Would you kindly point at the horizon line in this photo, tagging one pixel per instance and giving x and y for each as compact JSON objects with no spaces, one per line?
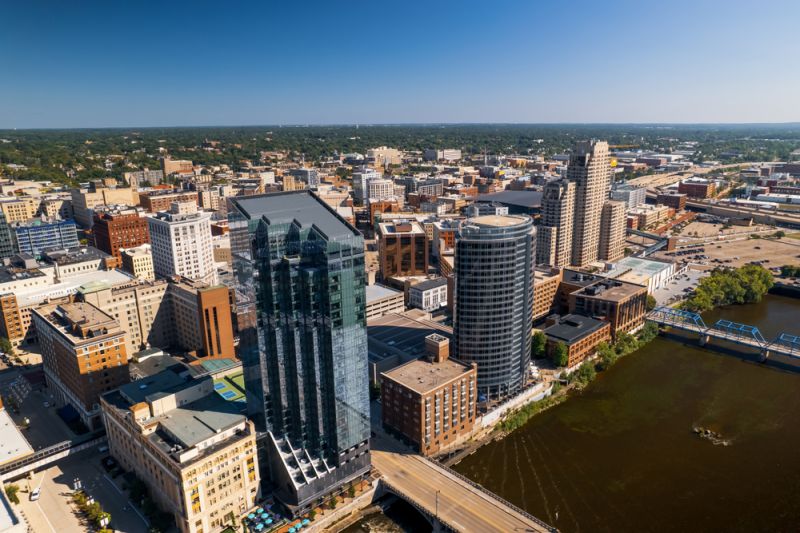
{"x":395,"y":124}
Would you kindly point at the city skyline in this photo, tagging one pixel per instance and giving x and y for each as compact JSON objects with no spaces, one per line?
{"x":95,"y":65}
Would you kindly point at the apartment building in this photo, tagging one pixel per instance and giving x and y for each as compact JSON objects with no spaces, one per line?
{"x":83,"y":354}
{"x":120,"y":227}
{"x":430,"y":402}
{"x":195,"y":451}
{"x":182,"y":246}
{"x":590,"y":169}
{"x":554,"y":234}
{"x":612,"y":231}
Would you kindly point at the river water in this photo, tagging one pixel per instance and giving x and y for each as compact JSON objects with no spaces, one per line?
{"x":621,"y":455}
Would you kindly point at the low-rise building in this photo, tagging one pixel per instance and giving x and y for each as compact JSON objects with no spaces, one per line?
{"x":676,"y":201}
{"x":382,"y":300}
{"x":429,"y":295}
{"x":430,"y":402}
{"x":697,"y":188}
{"x":623,"y":304}
{"x":580,"y":334}
{"x":195,"y":451}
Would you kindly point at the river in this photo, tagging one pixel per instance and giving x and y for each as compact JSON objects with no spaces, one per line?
{"x":621,"y":455}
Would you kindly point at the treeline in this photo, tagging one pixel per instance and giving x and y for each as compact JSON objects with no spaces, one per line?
{"x":50,"y":153}
{"x":725,"y":286}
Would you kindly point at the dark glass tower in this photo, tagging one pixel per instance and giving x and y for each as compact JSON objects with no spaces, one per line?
{"x":494,"y":300}
{"x":300,"y":278}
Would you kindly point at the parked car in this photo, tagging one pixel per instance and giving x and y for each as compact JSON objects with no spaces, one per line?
{"x":35,"y":494}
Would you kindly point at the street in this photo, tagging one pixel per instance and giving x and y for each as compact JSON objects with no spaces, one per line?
{"x":53,"y":512}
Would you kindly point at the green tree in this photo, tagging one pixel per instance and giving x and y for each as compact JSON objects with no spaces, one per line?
{"x":538,"y":345}
{"x":312,"y":514}
{"x":6,"y":346}
{"x":11,"y":492}
{"x":560,"y":354}
{"x":585,"y":374}
{"x":351,"y":491}
{"x":607,"y":355}
{"x":780,"y":234}
{"x":651,"y":302}
{"x":334,"y":502}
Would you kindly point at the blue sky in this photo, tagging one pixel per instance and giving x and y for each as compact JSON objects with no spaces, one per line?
{"x":126,"y":63}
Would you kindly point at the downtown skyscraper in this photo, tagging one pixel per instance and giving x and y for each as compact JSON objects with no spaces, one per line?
{"x":590,"y":170}
{"x":494,"y":300}
{"x":301,"y":306}
{"x":554,"y":235}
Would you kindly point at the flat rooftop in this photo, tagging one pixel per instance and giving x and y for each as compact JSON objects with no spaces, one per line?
{"x":422,"y":376}
{"x":69,"y":256}
{"x":498,"y":221}
{"x":397,"y":333}
{"x":572,"y":328}
{"x":195,"y":422}
{"x":72,"y":285}
{"x":611,"y":289}
{"x":378,"y":292}
{"x":429,"y":284}
{"x":300,"y":206}
{"x":13,"y":444}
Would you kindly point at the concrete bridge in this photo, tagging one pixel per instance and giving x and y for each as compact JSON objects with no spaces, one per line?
{"x":742,"y":334}
{"x":447,"y":499}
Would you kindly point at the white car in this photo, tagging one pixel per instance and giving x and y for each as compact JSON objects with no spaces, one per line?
{"x":35,"y":494}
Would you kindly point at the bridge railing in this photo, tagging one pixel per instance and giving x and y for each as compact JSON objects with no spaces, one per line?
{"x":410,"y":499}
{"x":494,"y":496}
{"x":48,"y":452}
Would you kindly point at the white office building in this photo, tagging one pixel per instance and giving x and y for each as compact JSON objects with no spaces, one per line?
{"x":182,"y":246}
{"x":428,"y":295}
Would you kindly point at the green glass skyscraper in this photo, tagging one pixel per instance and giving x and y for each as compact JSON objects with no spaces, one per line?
{"x":301,"y":314}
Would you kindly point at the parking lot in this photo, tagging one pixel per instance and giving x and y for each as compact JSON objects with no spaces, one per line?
{"x":677,"y":289}
{"x":775,"y":253}
{"x":53,"y":512}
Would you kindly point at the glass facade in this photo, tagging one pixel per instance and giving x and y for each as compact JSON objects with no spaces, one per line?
{"x":35,"y":237}
{"x":301,"y":313}
{"x":494,"y":300}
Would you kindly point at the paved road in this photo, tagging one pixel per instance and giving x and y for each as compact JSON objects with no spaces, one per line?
{"x":52,"y":513}
{"x":460,"y":504}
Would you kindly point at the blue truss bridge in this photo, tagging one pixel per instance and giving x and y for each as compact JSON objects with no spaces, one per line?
{"x":741,"y":334}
